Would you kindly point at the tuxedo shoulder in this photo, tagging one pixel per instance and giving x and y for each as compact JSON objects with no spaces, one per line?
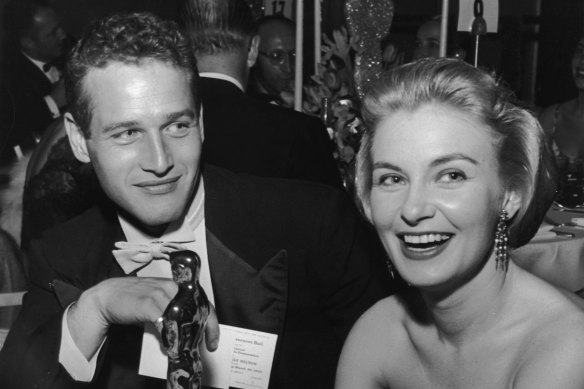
{"x":82,"y":230}
{"x":239,"y":184}
{"x":16,"y":63}
{"x":288,"y":114}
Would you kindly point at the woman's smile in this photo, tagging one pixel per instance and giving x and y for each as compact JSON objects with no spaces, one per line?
{"x":423,"y":245}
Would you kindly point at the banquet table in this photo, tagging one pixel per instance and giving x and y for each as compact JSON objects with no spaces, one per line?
{"x":556,"y":252}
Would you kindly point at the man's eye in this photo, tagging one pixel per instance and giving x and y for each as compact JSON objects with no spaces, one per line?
{"x":277,"y":55}
{"x":180,"y":129}
{"x":126,"y":135}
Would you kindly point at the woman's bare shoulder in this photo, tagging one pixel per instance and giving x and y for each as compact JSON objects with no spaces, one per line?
{"x":376,"y":344}
{"x":392,"y":313}
{"x":384,"y":317}
{"x":555,"y":355}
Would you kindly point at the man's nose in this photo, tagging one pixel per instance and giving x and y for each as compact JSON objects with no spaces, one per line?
{"x":61,"y":34}
{"x":417,"y":205}
{"x":288,"y":64}
{"x":157,"y":156}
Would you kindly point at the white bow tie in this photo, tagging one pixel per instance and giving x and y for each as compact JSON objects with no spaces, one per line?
{"x":133,"y":256}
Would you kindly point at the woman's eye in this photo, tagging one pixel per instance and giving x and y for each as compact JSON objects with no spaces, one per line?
{"x":389,"y":180}
{"x":452,"y":176}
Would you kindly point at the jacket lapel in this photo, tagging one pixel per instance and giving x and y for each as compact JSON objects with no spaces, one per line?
{"x":245,"y":297}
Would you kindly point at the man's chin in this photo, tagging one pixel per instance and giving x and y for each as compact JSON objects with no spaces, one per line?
{"x":152,"y":224}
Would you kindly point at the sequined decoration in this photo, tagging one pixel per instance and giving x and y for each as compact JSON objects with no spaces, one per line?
{"x":501,"y":239}
{"x":370,"y":20}
{"x":257,"y":8}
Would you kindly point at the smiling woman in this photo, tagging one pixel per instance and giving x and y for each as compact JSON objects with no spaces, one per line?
{"x":453,"y":175}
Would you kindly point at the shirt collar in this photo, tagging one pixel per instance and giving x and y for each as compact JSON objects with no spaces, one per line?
{"x":179,"y":230}
{"x":38,"y":64}
{"x":225,"y":77}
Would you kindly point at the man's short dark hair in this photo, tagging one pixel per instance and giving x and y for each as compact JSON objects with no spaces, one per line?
{"x":130,"y":38}
{"x":216,"y":26}
{"x":18,"y":17}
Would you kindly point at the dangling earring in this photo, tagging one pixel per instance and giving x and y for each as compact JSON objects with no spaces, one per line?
{"x":391,"y":269}
{"x":501,"y":238}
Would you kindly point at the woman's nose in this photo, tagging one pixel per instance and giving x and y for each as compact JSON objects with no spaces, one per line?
{"x":417,"y":206}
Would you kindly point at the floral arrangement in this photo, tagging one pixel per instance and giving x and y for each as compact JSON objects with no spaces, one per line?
{"x":331,"y":95}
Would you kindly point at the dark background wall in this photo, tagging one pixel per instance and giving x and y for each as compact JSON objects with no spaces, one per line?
{"x":532,"y":50}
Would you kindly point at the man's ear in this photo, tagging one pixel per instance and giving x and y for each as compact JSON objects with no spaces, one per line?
{"x":253,"y":52}
{"x":76,"y":139}
{"x":512,"y":203}
{"x":26,"y":43}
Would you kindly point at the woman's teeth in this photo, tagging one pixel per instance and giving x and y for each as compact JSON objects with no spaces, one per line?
{"x":426,"y":238}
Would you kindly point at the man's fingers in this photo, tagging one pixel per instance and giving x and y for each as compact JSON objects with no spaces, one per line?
{"x":212,"y":330}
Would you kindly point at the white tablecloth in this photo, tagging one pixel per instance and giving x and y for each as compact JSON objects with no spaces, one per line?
{"x":557,"y":258}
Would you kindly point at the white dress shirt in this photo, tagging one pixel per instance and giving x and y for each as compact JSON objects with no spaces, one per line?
{"x":225,"y":77}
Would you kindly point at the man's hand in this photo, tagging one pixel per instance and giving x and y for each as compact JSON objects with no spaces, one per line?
{"x":126,"y":300}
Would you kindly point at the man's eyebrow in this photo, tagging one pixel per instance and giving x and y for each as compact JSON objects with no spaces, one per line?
{"x":185,"y":112}
{"x":169,"y":118}
{"x":114,"y":126}
{"x":172,"y":116}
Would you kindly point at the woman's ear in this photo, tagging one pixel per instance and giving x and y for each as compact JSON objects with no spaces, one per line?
{"x":76,"y":139}
{"x":512,"y":203}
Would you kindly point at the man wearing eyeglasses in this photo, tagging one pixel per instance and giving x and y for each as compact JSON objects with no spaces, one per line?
{"x":274,"y":69}
{"x":244,"y":134}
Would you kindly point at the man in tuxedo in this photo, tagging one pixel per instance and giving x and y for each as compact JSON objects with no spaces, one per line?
{"x":30,"y":70}
{"x":283,"y":257}
{"x":241,"y":133}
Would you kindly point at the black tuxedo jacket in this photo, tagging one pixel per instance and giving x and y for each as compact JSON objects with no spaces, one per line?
{"x":243,"y":134}
{"x":286,"y":257}
{"x":27,"y":86}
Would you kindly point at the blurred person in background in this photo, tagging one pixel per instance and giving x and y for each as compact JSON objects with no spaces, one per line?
{"x":31,"y":70}
{"x":273,"y":73}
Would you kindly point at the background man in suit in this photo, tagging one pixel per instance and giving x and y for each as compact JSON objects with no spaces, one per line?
{"x":273,"y":74}
{"x":31,"y":69}
{"x":241,"y":133}
{"x":279,"y":256}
